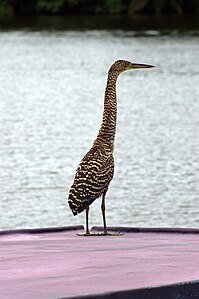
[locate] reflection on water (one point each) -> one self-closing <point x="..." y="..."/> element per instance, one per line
<point x="51" y="101"/>
<point x="137" y="23"/>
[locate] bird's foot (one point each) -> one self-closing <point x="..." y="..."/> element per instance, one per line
<point x="88" y="234"/>
<point x="100" y="234"/>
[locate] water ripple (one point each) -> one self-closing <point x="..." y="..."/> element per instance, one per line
<point x="51" y="102"/>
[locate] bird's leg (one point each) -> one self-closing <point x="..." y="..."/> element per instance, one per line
<point x="104" y="214"/>
<point x="104" y="219"/>
<point x="105" y="233"/>
<point x="87" y="226"/>
<point x="87" y="233"/>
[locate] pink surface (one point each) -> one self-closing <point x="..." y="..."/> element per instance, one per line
<point x="54" y="265"/>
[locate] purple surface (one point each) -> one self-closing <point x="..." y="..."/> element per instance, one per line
<point x="62" y="264"/>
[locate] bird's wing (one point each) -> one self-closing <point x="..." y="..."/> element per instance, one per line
<point x="91" y="180"/>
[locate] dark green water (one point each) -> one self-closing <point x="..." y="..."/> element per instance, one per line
<point x="164" y="24"/>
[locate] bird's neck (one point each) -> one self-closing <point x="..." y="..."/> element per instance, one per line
<point x="106" y="135"/>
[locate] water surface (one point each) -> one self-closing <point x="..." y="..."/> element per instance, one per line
<point x="51" y="104"/>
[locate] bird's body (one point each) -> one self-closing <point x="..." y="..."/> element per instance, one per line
<point x="92" y="179"/>
<point x="96" y="169"/>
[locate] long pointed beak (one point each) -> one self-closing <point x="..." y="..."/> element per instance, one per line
<point x="139" y="66"/>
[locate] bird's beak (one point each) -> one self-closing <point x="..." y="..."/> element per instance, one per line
<point x="140" y="66"/>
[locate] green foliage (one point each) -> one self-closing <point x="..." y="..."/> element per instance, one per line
<point x="158" y="7"/>
<point x="57" y="6"/>
<point x="176" y="5"/>
<point x="110" y="7"/>
<point x="195" y="4"/>
<point x="49" y="6"/>
<point x="137" y="5"/>
<point x="5" y="8"/>
<point x="72" y="2"/>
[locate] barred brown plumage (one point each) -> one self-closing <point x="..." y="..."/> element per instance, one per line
<point x="96" y="169"/>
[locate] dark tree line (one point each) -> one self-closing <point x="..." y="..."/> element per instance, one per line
<point x="157" y="7"/>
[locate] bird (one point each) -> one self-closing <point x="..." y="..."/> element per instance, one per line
<point x="96" y="169"/>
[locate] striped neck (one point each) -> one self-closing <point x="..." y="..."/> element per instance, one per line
<point x="106" y="135"/>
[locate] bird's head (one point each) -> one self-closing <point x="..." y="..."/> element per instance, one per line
<point x="121" y="66"/>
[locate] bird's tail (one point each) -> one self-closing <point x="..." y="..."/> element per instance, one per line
<point x="75" y="208"/>
<point x="78" y="203"/>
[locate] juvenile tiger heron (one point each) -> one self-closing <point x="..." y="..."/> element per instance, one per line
<point x="96" y="169"/>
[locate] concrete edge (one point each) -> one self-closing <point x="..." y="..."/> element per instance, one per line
<point x="148" y="229"/>
<point x="121" y="229"/>
<point x="184" y="290"/>
<point x="41" y="230"/>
